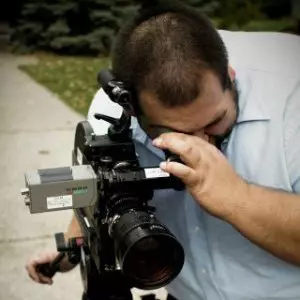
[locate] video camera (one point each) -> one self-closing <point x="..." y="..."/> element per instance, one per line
<point x="123" y="244"/>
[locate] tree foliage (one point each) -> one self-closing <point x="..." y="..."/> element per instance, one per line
<point x="89" y="26"/>
<point x="69" y="26"/>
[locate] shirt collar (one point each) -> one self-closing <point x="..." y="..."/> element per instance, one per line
<point x="137" y="132"/>
<point x="250" y="102"/>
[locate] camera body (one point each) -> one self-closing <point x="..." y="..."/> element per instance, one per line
<point x="123" y="243"/>
<point x="121" y="228"/>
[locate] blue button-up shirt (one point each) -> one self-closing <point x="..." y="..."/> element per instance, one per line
<point x="264" y="148"/>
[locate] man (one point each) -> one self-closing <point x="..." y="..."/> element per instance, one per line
<point x="236" y="119"/>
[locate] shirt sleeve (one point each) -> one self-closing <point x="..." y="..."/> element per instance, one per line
<point x="292" y="138"/>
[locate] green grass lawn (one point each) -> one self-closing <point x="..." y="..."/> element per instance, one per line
<point x="72" y="79"/>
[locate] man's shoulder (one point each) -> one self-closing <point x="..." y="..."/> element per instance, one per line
<point x="264" y="95"/>
<point x="266" y="51"/>
<point x="267" y="66"/>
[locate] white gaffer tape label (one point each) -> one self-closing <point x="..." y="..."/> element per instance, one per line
<point x="155" y="172"/>
<point x="59" y="202"/>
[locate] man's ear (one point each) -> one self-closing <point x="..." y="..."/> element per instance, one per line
<point x="231" y="73"/>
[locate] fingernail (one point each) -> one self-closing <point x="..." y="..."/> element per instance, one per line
<point x="163" y="165"/>
<point x="157" y="141"/>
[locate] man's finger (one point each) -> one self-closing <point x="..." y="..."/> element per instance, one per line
<point x="183" y="145"/>
<point x="30" y="267"/>
<point x="45" y="279"/>
<point x="182" y="136"/>
<point x="36" y="279"/>
<point x="185" y="173"/>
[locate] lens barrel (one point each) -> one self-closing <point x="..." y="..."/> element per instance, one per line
<point x="148" y="253"/>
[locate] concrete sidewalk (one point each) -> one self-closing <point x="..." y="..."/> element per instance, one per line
<point x="36" y="131"/>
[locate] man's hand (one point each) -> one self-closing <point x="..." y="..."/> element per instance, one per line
<point x="207" y="174"/>
<point x="33" y="264"/>
<point x="269" y="218"/>
<point x="74" y="230"/>
<point x="44" y="258"/>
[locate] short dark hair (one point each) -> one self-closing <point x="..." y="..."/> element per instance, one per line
<point x="166" y="49"/>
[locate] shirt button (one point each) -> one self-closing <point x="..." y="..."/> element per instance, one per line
<point x="203" y="271"/>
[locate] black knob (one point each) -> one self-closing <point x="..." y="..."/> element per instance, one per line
<point x="60" y="242"/>
<point x="104" y="77"/>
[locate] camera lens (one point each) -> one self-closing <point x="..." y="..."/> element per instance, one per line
<point x="152" y="262"/>
<point x="148" y="254"/>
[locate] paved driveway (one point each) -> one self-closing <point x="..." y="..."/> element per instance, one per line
<point x="36" y="131"/>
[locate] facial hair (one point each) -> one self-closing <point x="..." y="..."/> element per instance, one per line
<point x="219" y="139"/>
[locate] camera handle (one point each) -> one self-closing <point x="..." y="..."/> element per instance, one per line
<point x="72" y="249"/>
<point x="119" y="129"/>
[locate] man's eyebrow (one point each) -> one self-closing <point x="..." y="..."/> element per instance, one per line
<point x="215" y="121"/>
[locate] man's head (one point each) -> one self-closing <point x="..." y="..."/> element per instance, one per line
<point x="176" y="64"/>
